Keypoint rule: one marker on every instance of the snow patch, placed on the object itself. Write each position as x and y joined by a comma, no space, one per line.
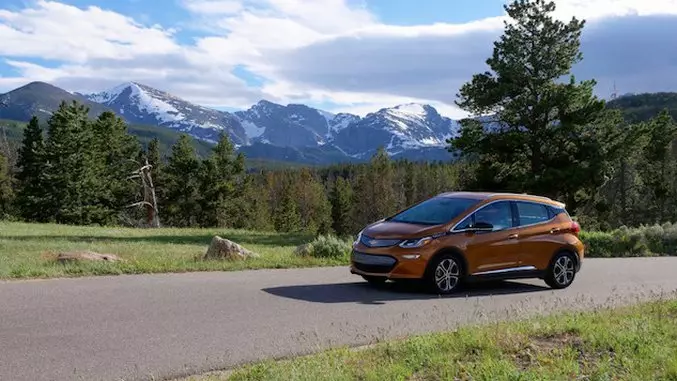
252,130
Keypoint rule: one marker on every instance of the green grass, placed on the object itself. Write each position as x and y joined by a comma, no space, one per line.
29,250
630,343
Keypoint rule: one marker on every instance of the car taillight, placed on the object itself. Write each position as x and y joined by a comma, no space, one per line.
575,227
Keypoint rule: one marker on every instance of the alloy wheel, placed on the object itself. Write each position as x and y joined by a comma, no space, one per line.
564,271
447,274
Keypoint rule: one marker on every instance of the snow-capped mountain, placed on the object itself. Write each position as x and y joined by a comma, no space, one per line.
141,104
293,125
400,128
408,130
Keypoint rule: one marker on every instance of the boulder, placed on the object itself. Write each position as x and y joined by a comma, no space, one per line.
78,256
221,248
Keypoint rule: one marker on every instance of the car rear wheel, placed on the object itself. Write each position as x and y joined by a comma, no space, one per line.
375,280
445,273
562,271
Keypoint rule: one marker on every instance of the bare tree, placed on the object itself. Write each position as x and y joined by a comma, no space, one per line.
149,199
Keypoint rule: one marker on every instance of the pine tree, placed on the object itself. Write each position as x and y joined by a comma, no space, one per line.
72,170
286,215
221,185
658,169
374,191
115,158
342,207
32,193
550,138
182,184
6,188
313,204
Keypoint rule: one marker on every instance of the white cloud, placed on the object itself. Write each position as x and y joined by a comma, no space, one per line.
317,51
213,7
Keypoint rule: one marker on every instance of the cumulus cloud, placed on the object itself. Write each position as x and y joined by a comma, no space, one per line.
320,51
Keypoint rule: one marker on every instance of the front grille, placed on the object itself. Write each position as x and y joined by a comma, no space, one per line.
372,242
373,263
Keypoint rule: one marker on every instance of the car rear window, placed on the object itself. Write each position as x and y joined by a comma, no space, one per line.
532,213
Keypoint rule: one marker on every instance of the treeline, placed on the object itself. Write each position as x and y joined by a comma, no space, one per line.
80,171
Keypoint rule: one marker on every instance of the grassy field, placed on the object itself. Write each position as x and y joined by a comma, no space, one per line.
29,250
631,343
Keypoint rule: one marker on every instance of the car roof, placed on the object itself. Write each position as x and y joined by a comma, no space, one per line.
502,196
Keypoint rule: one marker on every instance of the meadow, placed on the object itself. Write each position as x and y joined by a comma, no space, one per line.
628,343
30,250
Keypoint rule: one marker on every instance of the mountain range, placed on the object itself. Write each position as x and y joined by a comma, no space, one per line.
267,131
270,131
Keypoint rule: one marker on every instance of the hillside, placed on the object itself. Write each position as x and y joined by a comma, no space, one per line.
641,107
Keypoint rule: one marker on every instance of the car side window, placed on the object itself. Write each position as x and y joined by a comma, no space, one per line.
498,214
532,213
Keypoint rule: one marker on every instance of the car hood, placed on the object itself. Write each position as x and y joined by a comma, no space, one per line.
386,230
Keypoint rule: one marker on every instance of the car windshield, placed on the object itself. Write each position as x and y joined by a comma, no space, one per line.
434,211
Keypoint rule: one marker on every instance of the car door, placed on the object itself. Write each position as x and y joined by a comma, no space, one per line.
537,233
495,250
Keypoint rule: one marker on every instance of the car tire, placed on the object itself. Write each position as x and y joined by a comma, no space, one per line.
445,274
375,280
562,270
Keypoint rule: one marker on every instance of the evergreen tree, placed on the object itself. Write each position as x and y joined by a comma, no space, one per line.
313,203
254,212
153,154
659,167
221,185
72,170
181,205
115,158
374,194
549,137
6,188
342,207
286,215
32,190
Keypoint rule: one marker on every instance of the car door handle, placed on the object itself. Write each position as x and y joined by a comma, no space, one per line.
513,236
554,230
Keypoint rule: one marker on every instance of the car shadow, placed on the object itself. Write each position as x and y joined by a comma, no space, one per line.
364,293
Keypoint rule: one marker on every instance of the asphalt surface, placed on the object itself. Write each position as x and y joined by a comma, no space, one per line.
167,326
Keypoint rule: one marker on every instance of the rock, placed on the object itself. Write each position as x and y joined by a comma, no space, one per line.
75,256
221,248
303,250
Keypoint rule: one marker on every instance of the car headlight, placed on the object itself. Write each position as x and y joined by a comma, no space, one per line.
359,237
417,242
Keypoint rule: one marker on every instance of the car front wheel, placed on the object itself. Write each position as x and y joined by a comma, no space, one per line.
445,274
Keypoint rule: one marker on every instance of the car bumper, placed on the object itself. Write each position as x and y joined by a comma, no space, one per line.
387,265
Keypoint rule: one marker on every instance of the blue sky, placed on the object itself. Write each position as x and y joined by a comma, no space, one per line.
340,55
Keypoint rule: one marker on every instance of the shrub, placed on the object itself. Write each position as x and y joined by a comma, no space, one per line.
327,246
643,241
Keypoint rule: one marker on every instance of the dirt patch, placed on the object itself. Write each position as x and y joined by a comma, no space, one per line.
555,345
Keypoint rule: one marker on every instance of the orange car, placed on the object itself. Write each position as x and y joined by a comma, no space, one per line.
454,237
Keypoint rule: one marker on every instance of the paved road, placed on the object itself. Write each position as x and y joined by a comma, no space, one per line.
134,327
